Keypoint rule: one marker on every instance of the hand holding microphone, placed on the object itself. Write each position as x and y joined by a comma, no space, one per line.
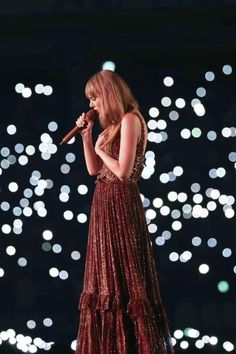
83,124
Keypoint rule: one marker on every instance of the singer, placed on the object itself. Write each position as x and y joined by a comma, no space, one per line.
121,310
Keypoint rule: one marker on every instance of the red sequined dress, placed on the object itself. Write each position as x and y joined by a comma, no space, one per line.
120,307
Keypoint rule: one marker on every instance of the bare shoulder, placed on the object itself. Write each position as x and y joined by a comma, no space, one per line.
131,119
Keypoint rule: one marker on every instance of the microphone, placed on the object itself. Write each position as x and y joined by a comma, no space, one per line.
90,115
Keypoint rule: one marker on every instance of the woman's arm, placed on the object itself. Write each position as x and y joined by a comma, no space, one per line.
93,161
130,131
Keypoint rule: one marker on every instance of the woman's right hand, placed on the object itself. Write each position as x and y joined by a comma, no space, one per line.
83,121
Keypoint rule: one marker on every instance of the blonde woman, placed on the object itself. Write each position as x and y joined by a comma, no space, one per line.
120,306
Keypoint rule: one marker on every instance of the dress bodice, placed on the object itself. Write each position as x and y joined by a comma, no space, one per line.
107,174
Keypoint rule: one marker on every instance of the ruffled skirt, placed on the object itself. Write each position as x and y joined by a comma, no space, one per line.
120,307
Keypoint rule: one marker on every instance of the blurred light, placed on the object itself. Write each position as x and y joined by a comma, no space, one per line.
199,109
31,324
54,272
47,235
13,187
1,272
30,150
176,225
152,228
201,92
47,90
108,65
68,215
19,87
191,332
160,241
164,178
213,340
178,170
166,101
64,197
209,76
173,256
65,168
180,103
185,133
197,198
26,92
57,248
229,213
184,344
150,214
196,132
154,112
52,126
157,202
223,286
152,124
226,252
232,156
82,218
11,129
172,196
214,194
23,160
75,255
178,334
211,135
63,275
182,197
199,344
22,262
39,88
168,81
166,234
5,206
227,69
196,241
161,124
226,132
70,157
228,346
46,246
203,268
5,151
195,187
73,345
173,115
212,242
10,250
175,214
47,322
165,210
185,256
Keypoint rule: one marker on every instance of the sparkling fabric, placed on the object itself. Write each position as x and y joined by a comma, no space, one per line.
120,307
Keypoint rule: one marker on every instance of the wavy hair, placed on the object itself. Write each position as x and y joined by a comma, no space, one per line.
116,100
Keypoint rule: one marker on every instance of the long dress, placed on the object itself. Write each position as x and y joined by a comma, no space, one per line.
120,306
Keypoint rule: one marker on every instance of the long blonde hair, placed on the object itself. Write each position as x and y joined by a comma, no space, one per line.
116,100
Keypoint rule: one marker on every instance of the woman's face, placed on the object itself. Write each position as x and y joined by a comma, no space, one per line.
95,103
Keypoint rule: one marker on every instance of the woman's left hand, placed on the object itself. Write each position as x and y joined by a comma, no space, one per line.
99,142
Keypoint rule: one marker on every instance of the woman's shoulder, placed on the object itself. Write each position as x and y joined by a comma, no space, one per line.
131,117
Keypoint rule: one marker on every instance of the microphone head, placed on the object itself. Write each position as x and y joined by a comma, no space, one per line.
91,114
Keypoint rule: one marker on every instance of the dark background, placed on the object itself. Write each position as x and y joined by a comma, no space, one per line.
62,43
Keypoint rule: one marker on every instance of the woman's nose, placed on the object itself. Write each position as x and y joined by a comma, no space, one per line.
91,104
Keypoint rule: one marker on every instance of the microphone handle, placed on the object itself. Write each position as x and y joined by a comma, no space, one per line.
72,132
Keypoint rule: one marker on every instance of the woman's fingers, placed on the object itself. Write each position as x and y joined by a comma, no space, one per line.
85,124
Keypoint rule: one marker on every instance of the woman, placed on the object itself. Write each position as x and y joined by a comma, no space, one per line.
120,306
